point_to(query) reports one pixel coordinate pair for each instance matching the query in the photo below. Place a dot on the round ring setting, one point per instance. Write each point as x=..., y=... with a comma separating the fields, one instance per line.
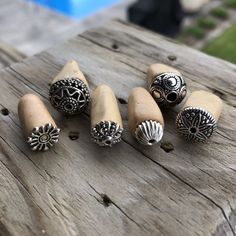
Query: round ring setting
x=106, y=133
x=70, y=96
x=43, y=137
x=149, y=132
x=196, y=124
x=168, y=88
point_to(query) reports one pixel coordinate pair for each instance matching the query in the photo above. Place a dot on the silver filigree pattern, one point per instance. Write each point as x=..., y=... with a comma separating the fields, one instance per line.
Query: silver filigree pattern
x=106, y=133
x=195, y=124
x=70, y=96
x=43, y=137
x=149, y=132
x=168, y=88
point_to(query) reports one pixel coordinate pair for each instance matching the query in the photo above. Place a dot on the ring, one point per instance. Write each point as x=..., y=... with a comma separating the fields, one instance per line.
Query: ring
x=168, y=88
x=196, y=124
x=70, y=96
x=43, y=137
x=149, y=132
x=106, y=133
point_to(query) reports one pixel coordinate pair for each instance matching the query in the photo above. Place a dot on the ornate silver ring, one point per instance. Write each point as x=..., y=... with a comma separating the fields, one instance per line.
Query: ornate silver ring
x=168, y=88
x=70, y=96
x=196, y=124
x=106, y=133
x=149, y=132
x=43, y=137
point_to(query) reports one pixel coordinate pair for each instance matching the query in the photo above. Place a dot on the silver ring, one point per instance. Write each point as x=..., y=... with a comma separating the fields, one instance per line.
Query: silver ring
x=149, y=132
x=196, y=124
x=106, y=133
x=168, y=88
x=43, y=137
x=70, y=96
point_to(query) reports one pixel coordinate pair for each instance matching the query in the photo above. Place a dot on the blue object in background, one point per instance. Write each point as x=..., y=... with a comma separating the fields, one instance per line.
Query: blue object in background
x=76, y=8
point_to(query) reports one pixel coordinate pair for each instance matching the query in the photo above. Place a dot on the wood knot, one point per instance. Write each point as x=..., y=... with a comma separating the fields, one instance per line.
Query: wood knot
x=172, y=58
x=73, y=135
x=115, y=46
x=5, y=111
x=122, y=101
x=106, y=201
x=167, y=146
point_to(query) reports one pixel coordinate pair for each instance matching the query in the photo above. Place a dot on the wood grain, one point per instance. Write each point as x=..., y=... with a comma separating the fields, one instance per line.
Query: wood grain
x=9, y=55
x=78, y=188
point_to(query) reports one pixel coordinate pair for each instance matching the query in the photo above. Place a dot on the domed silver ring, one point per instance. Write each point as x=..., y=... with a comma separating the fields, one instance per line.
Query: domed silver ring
x=106, y=133
x=149, y=132
x=70, y=96
x=168, y=88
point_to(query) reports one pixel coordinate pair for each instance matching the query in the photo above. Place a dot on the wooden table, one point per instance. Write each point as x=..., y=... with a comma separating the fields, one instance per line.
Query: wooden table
x=78, y=188
x=9, y=55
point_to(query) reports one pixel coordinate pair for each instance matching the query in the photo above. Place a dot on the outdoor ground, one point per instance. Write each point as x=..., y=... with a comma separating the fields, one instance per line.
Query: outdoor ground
x=31, y=28
x=224, y=46
x=213, y=30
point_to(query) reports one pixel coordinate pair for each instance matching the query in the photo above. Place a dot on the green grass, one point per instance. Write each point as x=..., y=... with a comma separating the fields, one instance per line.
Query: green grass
x=224, y=46
x=194, y=31
x=206, y=23
x=230, y=3
x=220, y=12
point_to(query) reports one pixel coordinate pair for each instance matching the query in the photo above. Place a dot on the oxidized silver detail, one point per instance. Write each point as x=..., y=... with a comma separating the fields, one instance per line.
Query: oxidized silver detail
x=106, y=133
x=70, y=95
x=43, y=137
x=168, y=88
x=196, y=124
x=149, y=132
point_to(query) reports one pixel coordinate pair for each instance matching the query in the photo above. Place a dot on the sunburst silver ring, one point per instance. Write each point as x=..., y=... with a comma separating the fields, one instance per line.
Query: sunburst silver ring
x=196, y=124
x=149, y=132
x=43, y=137
x=106, y=133
x=70, y=96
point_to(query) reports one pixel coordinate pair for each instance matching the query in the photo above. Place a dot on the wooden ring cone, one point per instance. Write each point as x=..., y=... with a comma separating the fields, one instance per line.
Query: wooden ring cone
x=166, y=85
x=197, y=121
x=69, y=91
x=37, y=123
x=146, y=122
x=106, y=122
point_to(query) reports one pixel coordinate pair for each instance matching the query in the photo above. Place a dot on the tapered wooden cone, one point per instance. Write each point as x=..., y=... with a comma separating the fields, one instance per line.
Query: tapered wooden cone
x=197, y=121
x=157, y=69
x=145, y=118
x=37, y=123
x=106, y=121
x=166, y=84
x=70, y=70
x=69, y=92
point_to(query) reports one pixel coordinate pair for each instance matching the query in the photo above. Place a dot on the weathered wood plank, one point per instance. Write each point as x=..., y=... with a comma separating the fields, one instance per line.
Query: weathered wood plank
x=9, y=55
x=189, y=191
